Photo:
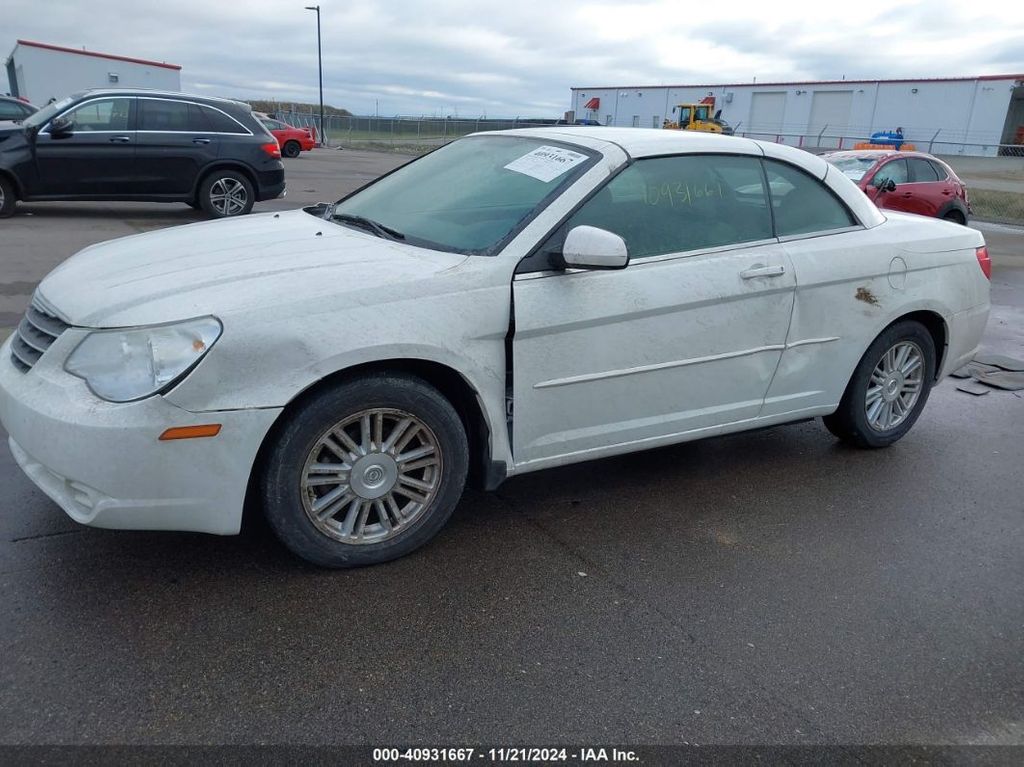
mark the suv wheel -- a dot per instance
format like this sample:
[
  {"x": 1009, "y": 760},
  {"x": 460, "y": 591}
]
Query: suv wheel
[
  {"x": 226, "y": 193},
  {"x": 366, "y": 471},
  {"x": 7, "y": 198}
]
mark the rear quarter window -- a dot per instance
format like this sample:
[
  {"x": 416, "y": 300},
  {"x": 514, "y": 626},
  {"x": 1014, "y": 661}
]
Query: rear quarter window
[
  {"x": 802, "y": 204},
  {"x": 220, "y": 122}
]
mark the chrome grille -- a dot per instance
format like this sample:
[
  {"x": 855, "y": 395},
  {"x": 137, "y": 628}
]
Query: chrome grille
[{"x": 36, "y": 333}]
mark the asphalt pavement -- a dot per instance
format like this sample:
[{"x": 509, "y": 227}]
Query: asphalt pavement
[{"x": 768, "y": 587}]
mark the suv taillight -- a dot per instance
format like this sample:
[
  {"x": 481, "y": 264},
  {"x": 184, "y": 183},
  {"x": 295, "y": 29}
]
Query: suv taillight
[
  {"x": 984, "y": 261},
  {"x": 272, "y": 149}
]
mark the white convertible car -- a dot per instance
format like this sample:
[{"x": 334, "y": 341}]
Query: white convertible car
[{"x": 510, "y": 302}]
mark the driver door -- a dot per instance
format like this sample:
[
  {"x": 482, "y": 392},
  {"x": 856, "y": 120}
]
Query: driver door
[
  {"x": 685, "y": 339},
  {"x": 97, "y": 158}
]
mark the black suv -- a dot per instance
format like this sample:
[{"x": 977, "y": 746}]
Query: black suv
[{"x": 149, "y": 146}]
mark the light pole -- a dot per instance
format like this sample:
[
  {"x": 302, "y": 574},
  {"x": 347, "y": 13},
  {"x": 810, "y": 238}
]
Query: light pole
[{"x": 320, "y": 67}]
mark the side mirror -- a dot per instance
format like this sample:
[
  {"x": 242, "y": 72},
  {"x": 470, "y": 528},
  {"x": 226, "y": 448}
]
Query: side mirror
[
  {"x": 885, "y": 184},
  {"x": 587, "y": 247},
  {"x": 62, "y": 126}
]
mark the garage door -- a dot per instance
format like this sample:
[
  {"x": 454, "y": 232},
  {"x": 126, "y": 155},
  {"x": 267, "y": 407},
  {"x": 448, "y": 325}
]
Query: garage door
[
  {"x": 830, "y": 112},
  {"x": 767, "y": 112}
]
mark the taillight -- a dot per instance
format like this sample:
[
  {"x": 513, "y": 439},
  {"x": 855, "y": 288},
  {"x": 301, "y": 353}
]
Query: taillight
[
  {"x": 273, "y": 149},
  {"x": 984, "y": 261}
]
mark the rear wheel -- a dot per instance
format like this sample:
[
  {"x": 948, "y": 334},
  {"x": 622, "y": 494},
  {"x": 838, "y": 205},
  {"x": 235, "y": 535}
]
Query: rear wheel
[
  {"x": 291, "y": 149},
  {"x": 226, "y": 193},
  {"x": 888, "y": 389},
  {"x": 956, "y": 217},
  {"x": 7, "y": 198},
  {"x": 366, "y": 471}
]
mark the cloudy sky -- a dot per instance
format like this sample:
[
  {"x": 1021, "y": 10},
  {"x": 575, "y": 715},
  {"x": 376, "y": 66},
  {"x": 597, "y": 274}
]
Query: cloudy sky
[{"x": 520, "y": 57}]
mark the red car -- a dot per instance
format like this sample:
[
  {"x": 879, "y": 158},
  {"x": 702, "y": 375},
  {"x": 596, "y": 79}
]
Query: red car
[
  {"x": 913, "y": 182},
  {"x": 292, "y": 140}
]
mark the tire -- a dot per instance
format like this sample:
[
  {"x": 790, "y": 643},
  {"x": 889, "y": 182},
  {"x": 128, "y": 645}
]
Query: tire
[
  {"x": 956, "y": 217},
  {"x": 291, "y": 149},
  {"x": 370, "y": 517},
  {"x": 8, "y": 200},
  {"x": 853, "y": 421},
  {"x": 226, "y": 193}
]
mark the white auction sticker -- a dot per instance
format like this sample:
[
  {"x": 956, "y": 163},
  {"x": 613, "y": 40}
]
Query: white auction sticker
[{"x": 546, "y": 163}]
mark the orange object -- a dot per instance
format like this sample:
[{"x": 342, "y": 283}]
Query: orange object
[
  {"x": 869, "y": 145},
  {"x": 191, "y": 432}
]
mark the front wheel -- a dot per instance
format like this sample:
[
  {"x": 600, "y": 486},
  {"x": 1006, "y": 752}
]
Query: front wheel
[
  {"x": 366, "y": 471},
  {"x": 888, "y": 389},
  {"x": 226, "y": 193}
]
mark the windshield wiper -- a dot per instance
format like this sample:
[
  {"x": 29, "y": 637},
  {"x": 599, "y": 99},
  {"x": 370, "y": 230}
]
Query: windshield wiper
[{"x": 378, "y": 229}]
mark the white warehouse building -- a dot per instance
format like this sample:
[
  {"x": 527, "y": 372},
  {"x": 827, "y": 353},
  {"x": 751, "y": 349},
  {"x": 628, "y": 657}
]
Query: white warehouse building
[
  {"x": 956, "y": 115},
  {"x": 40, "y": 72}
]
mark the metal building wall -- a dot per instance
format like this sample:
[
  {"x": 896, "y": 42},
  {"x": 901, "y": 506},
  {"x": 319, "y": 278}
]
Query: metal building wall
[
  {"x": 46, "y": 74},
  {"x": 958, "y": 116}
]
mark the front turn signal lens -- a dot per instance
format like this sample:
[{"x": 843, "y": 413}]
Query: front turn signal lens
[{"x": 191, "y": 432}]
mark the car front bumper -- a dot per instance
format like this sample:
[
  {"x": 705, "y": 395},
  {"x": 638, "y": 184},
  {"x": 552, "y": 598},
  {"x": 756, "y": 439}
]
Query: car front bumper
[{"x": 103, "y": 463}]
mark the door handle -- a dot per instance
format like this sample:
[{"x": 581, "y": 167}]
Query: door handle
[
  {"x": 200, "y": 141},
  {"x": 760, "y": 270},
  {"x": 120, "y": 139}
]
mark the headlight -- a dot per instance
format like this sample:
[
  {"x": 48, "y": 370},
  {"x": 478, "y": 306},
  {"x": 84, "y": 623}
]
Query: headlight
[{"x": 133, "y": 363}]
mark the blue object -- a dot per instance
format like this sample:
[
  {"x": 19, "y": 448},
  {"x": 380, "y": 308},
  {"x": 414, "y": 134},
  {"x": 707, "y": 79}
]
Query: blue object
[{"x": 895, "y": 138}]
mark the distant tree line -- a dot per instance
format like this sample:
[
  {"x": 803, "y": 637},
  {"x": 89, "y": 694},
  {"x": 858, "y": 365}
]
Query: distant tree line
[{"x": 272, "y": 106}]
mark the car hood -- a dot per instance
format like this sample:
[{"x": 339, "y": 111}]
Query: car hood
[{"x": 233, "y": 265}]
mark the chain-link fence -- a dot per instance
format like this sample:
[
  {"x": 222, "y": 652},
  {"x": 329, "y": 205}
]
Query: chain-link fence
[
  {"x": 993, "y": 172},
  {"x": 412, "y": 135}
]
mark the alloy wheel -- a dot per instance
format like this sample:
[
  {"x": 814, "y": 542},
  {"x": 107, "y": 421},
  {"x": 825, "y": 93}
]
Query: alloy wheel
[
  {"x": 895, "y": 386},
  {"x": 371, "y": 476},
  {"x": 228, "y": 196}
]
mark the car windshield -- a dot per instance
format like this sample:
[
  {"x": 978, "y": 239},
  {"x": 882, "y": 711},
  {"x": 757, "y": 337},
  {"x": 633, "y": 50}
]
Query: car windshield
[
  {"x": 44, "y": 114},
  {"x": 853, "y": 167},
  {"x": 469, "y": 196}
]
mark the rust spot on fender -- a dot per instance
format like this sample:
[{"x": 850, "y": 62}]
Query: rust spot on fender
[{"x": 865, "y": 295}]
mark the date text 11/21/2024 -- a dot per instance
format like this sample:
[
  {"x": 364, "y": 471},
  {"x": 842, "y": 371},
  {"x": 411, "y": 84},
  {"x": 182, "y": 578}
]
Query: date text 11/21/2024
[{"x": 503, "y": 754}]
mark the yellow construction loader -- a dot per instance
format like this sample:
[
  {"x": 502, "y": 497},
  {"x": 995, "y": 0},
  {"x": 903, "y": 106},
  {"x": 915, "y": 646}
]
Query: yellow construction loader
[{"x": 697, "y": 117}]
